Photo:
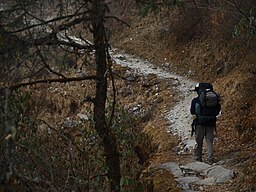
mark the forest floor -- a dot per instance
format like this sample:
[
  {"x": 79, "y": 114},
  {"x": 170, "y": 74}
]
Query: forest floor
[{"x": 230, "y": 68}]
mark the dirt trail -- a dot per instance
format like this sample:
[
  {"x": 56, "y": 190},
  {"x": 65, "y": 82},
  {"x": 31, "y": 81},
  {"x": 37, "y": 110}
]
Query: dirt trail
[
  {"x": 188, "y": 173},
  {"x": 178, "y": 117}
]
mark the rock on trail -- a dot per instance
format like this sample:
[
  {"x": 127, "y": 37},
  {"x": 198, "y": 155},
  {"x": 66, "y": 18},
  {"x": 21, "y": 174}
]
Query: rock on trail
[{"x": 198, "y": 173}]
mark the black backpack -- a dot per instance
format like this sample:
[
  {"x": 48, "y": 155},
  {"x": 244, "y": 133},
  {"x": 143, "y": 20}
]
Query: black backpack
[{"x": 208, "y": 104}]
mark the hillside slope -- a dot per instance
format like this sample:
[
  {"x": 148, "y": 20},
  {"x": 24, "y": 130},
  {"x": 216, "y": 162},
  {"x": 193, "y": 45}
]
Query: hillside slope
[{"x": 199, "y": 45}]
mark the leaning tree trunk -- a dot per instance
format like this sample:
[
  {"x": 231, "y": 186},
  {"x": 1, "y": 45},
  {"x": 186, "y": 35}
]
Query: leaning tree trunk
[{"x": 109, "y": 140}]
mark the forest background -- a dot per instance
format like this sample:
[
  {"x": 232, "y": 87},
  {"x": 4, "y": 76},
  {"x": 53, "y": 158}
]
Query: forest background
[{"x": 53, "y": 139}]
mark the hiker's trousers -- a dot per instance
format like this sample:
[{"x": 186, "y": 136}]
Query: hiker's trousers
[{"x": 202, "y": 132}]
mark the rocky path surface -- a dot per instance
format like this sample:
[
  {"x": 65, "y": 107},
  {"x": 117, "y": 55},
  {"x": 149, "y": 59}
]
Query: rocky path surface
[{"x": 190, "y": 173}]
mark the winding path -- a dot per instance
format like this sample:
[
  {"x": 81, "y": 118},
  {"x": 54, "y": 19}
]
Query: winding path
[
  {"x": 178, "y": 117},
  {"x": 197, "y": 173}
]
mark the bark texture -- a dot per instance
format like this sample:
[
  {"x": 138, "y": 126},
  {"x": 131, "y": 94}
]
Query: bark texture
[{"x": 108, "y": 138}]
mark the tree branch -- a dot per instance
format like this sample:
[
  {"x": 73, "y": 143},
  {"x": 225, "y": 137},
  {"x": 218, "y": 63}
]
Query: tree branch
[
  {"x": 114, "y": 94},
  {"x": 242, "y": 13},
  {"x": 46, "y": 22},
  {"x": 35, "y": 180},
  {"x": 46, "y": 65},
  {"x": 52, "y": 40},
  {"x": 119, "y": 20},
  {"x": 58, "y": 80}
]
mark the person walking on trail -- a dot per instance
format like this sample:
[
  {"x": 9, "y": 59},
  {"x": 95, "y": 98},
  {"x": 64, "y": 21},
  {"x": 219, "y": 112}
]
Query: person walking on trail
[{"x": 206, "y": 106}]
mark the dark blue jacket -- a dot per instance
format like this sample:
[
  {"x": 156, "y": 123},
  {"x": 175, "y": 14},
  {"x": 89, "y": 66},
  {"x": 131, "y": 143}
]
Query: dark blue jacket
[{"x": 199, "y": 120}]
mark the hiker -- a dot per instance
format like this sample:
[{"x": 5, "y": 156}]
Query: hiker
[{"x": 205, "y": 107}]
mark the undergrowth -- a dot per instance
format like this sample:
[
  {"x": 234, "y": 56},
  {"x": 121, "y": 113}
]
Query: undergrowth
[{"x": 65, "y": 155}]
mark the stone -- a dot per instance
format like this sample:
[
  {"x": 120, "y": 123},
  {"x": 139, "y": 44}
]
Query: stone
[
  {"x": 207, "y": 181},
  {"x": 221, "y": 174},
  {"x": 197, "y": 166},
  {"x": 173, "y": 168},
  {"x": 83, "y": 117},
  {"x": 186, "y": 181}
]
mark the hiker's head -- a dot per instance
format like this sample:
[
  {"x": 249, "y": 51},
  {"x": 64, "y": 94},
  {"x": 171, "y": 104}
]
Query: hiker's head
[{"x": 202, "y": 87}]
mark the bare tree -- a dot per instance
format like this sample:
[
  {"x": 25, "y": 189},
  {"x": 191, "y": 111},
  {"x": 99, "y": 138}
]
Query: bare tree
[{"x": 28, "y": 39}]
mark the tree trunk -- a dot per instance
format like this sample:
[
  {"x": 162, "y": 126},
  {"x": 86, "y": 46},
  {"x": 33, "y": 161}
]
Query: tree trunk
[{"x": 109, "y": 140}]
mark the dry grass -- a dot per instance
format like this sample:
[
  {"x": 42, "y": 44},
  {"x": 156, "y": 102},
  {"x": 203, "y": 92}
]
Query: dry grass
[{"x": 208, "y": 55}]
